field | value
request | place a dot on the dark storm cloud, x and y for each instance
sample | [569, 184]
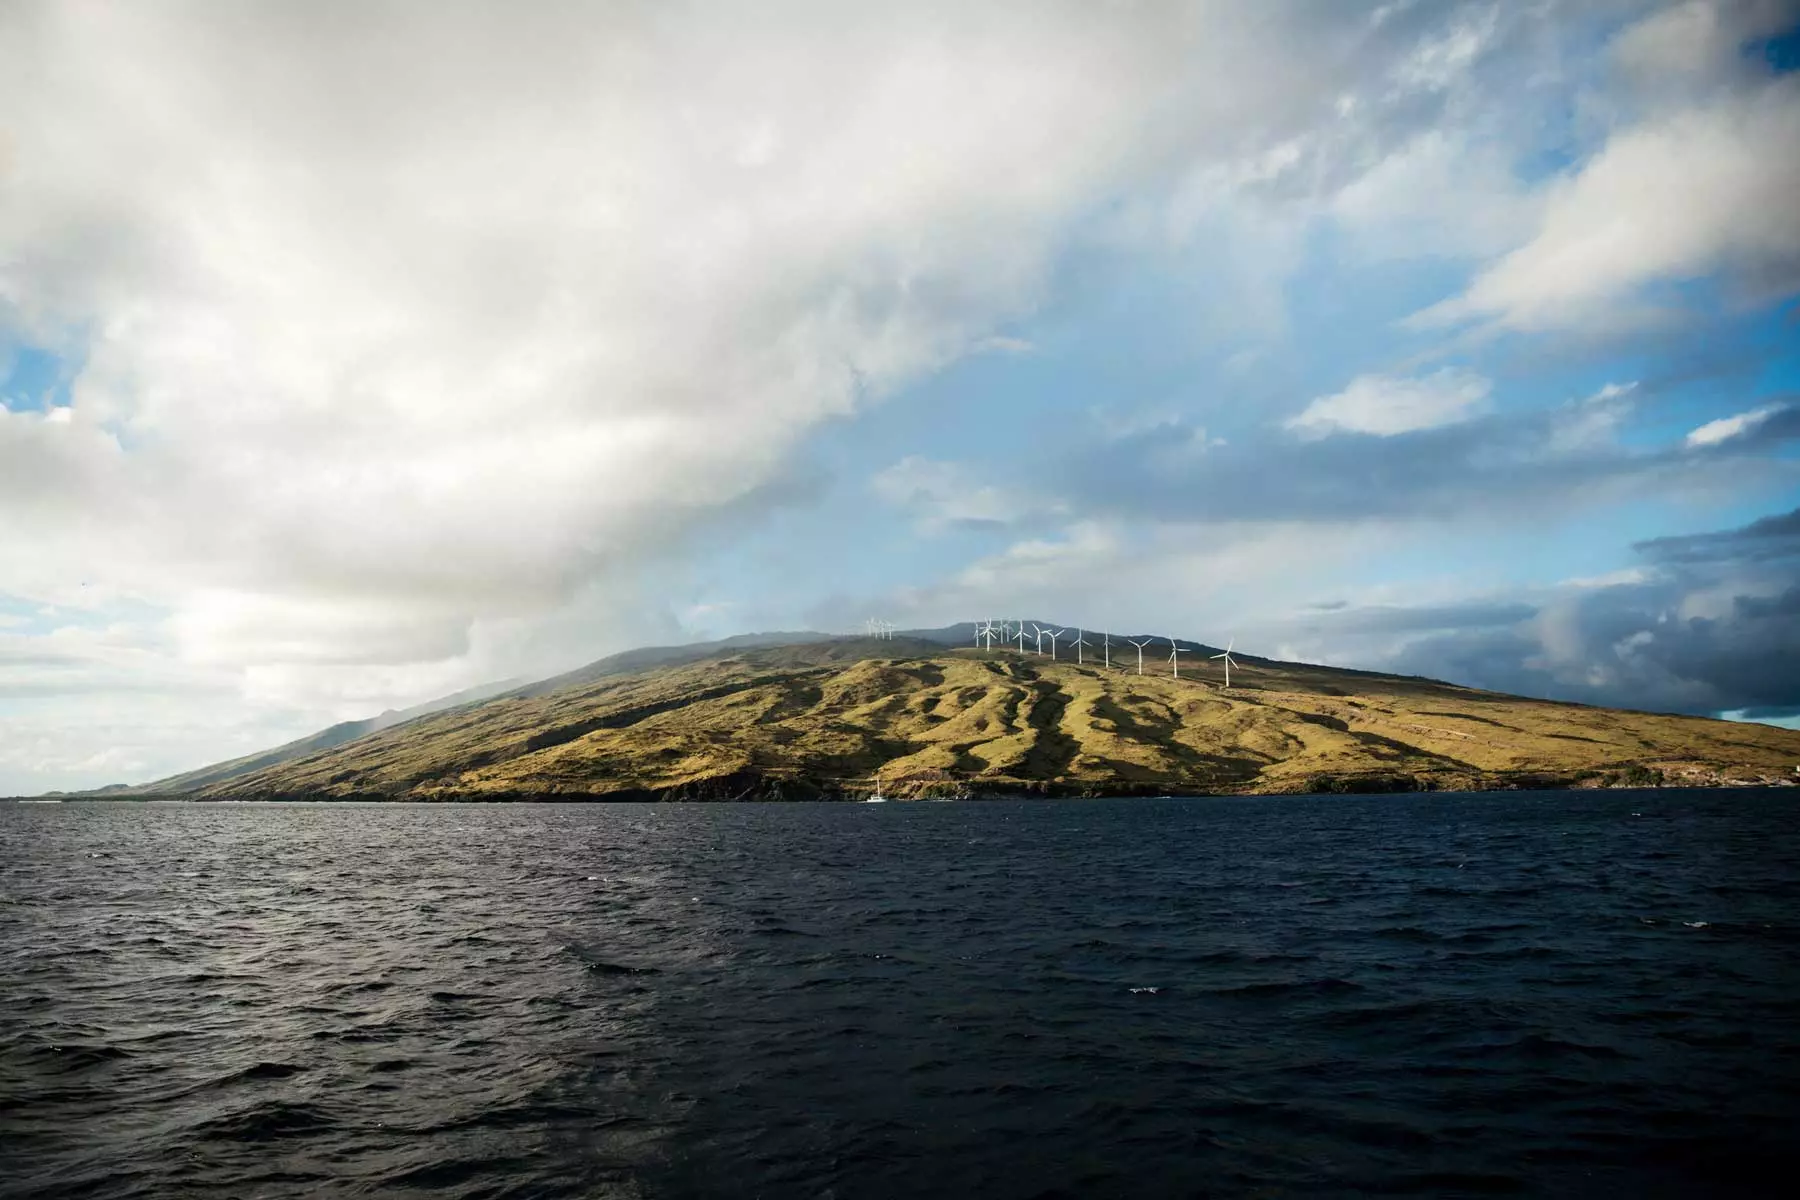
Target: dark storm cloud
[1770, 712]
[1629, 648]
[1709, 632]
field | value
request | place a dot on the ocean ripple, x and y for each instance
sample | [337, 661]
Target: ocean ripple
[1440, 995]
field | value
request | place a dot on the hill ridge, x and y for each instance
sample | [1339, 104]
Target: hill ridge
[824, 717]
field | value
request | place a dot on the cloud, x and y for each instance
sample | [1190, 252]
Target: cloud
[949, 495]
[1698, 38]
[1764, 540]
[380, 308]
[1385, 405]
[1509, 465]
[1676, 198]
[1445, 193]
[1710, 625]
[1198, 580]
[1389, 618]
[1725, 429]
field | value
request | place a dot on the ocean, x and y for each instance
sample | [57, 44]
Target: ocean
[1547, 994]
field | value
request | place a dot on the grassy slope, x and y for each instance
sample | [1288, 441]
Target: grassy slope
[823, 718]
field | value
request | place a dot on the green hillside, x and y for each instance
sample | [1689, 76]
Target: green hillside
[823, 718]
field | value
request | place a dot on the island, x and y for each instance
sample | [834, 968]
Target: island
[809, 717]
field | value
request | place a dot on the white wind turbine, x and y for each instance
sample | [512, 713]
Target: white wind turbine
[1228, 660]
[987, 632]
[1140, 649]
[1174, 661]
[1106, 641]
[1078, 643]
[1053, 634]
[1021, 635]
[978, 629]
[1038, 630]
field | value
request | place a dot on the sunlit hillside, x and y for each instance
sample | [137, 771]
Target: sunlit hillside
[831, 718]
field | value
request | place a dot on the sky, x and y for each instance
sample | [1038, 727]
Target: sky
[353, 354]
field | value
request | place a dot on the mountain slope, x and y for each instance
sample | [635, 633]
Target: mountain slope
[332, 735]
[822, 718]
[642, 659]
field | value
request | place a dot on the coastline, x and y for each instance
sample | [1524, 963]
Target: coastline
[822, 794]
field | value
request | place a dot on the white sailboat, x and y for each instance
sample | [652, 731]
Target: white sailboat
[876, 797]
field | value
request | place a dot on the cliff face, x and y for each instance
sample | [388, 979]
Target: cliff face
[821, 719]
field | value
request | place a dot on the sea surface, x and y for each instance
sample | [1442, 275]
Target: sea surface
[1545, 994]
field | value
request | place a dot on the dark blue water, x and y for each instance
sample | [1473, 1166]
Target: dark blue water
[1548, 994]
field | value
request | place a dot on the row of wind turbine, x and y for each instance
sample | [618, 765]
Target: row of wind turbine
[1008, 631]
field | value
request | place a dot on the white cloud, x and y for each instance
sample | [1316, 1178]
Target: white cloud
[1442, 59]
[387, 310]
[1702, 38]
[1196, 580]
[1386, 405]
[1677, 198]
[1592, 423]
[944, 494]
[1618, 578]
[1444, 193]
[1725, 428]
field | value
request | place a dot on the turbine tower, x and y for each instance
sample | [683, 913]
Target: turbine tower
[1053, 634]
[1140, 649]
[1106, 641]
[1228, 660]
[1039, 631]
[1078, 643]
[1174, 661]
[1021, 636]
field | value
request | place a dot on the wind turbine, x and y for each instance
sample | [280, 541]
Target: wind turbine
[977, 625]
[1140, 648]
[1078, 643]
[1106, 635]
[1173, 651]
[1054, 634]
[1021, 637]
[1228, 660]
[1039, 631]
[987, 631]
